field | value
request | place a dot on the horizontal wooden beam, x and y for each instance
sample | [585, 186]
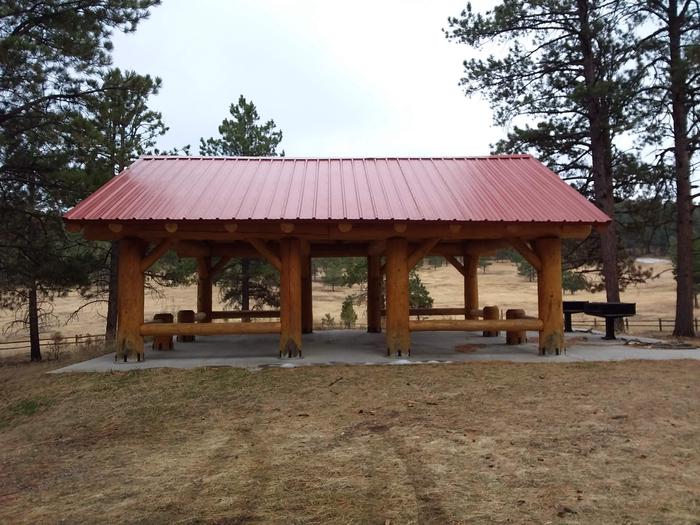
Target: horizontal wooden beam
[264, 250]
[240, 314]
[527, 252]
[477, 312]
[318, 230]
[209, 328]
[156, 253]
[474, 325]
[483, 246]
[376, 248]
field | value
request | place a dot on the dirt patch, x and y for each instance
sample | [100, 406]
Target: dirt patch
[474, 443]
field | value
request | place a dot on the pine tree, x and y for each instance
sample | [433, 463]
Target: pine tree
[564, 65]
[244, 135]
[114, 128]
[670, 106]
[51, 54]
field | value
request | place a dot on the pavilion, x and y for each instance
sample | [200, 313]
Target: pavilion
[393, 211]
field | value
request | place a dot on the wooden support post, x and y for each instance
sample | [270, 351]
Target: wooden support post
[549, 296]
[307, 306]
[130, 299]
[471, 285]
[204, 288]
[398, 337]
[374, 294]
[290, 298]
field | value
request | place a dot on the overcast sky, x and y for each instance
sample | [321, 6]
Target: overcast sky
[361, 78]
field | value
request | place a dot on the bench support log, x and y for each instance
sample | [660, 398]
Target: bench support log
[473, 325]
[290, 298]
[398, 337]
[130, 300]
[192, 329]
[549, 296]
[374, 294]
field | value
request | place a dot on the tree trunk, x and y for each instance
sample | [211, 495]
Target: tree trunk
[245, 287]
[684, 201]
[35, 344]
[112, 294]
[601, 155]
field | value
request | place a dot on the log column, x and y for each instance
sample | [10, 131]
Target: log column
[204, 287]
[549, 296]
[471, 286]
[374, 294]
[130, 300]
[290, 298]
[398, 337]
[307, 307]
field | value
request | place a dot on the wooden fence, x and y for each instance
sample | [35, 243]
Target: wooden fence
[50, 342]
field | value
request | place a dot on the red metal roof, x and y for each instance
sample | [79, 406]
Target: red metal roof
[516, 188]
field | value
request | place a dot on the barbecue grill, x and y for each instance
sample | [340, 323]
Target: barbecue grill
[610, 311]
[572, 307]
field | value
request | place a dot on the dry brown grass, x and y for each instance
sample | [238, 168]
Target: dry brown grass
[476, 443]
[499, 285]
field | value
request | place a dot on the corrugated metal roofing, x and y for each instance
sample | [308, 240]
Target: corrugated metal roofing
[516, 188]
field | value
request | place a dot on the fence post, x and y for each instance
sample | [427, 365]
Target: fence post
[661, 327]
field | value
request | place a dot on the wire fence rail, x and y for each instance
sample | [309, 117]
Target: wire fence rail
[653, 325]
[51, 342]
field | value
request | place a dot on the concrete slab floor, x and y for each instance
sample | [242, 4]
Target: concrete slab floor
[360, 348]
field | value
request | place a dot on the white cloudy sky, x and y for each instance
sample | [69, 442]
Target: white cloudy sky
[374, 78]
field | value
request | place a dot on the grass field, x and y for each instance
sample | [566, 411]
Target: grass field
[477, 443]
[499, 285]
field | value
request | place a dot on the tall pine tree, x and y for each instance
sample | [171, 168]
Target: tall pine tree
[670, 106]
[114, 127]
[244, 135]
[562, 64]
[51, 52]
